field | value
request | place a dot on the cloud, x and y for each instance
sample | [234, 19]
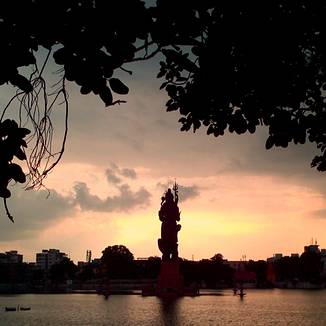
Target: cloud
[112, 177]
[188, 192]
[320, 213]
[185, 192]
[33, 211]
[128, 173]
[126, 200]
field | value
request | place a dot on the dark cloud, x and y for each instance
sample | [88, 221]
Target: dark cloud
[113, 172]
[251, 156]
[128, 173]
[126, 199]
[112, 177]
[188, 192]
[185, 192]
[291, 164]
[33, 211]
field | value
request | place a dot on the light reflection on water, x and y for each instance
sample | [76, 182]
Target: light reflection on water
[259, 307]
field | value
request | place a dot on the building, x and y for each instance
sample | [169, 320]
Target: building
[11, 257]
[274, 258]
[235, 264]
[47, 258]
[312, 248]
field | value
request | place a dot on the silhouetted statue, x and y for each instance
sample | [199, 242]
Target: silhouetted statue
[169, 214]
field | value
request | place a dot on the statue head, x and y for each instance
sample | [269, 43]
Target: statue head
[169, 195]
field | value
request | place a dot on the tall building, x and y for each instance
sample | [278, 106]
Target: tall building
[11, 257]
[47, 258]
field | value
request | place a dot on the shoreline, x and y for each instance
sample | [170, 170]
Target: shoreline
[202, 292]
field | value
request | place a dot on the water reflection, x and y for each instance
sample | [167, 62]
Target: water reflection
[170, 312]
[259, 307]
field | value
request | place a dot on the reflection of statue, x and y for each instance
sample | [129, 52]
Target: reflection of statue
[169, 214]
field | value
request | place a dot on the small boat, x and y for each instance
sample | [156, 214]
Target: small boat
[25, 308]
[10, 308]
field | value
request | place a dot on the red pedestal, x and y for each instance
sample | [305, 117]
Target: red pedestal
[170, 280]
[170, 283]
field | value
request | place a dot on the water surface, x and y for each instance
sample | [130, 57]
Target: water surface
[259, 307]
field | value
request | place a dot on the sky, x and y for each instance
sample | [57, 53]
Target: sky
[236, 198]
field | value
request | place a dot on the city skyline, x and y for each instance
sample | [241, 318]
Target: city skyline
[38, 256]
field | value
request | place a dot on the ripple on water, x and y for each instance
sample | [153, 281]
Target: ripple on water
[259, 307]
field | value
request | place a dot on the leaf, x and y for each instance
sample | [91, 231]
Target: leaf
[251, 128]
[185, 127]
[8, 126]
[210, 129]
[163, 85]
[106, 96]
[196, 125]
[20, 154]
[172, 107]
[60, 56]
[269, 142]
[22, 82]
[188, 65]
[118, 86]
[15, 172]
[180, 59]
[4, 192]
[161, 73]
[22, 132]
[85, 90]
[171, 54]
[171, 90]
[23, 143]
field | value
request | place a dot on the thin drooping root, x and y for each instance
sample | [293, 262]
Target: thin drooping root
[35, 112]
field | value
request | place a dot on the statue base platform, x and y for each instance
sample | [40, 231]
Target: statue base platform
[170, 280]
[170, 283]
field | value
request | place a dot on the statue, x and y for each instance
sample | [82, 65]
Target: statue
[170, 281]
[169, 214]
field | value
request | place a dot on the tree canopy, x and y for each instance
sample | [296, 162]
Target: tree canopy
[226, 65]
[118, 260]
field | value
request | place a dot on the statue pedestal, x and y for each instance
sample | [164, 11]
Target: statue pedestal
[170, 280]
[170, 283]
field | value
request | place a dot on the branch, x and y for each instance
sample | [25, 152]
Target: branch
[7, 211]
[148, 56]
[118, 102]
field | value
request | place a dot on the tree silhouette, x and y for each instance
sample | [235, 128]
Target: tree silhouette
[217, 258]
[118, 260]
[227, 65]
[63, 270]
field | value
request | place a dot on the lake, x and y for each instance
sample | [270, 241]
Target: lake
[259, 307]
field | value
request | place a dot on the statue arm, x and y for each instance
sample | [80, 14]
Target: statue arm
[177, 214]
[161, 215]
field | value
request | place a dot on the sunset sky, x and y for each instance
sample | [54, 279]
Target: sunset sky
[236, 198]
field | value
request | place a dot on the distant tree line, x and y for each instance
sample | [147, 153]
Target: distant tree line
[117, 262]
